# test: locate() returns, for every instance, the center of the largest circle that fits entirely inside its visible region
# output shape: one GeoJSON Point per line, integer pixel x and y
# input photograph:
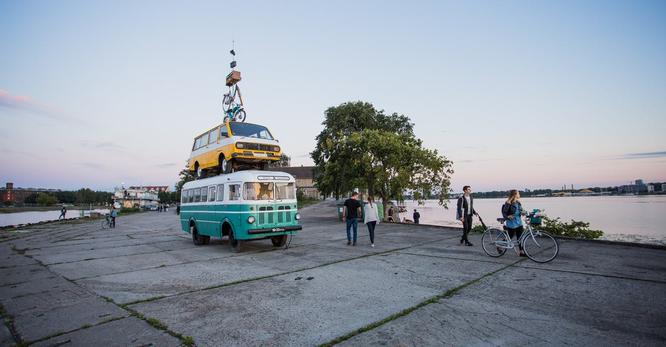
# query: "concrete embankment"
{"type": "Point", "coordinates": [418, 286]}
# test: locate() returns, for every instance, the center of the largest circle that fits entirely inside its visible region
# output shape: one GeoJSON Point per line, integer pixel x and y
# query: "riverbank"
{"type": "Point", "coordinates": [18, 209]}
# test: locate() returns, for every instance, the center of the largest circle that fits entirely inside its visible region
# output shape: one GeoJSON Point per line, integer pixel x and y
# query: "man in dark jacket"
{"type": "Point", "coordinates": [464, 212]}
{"type": "Point", "coordinates": [416, 216]}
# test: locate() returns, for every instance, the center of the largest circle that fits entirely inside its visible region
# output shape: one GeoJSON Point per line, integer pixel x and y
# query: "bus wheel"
{"type": "Point", "coordinates": [234, 243]}
{"type": "Point", "coordinates": [279, 241]}
{"type": "Point", "coordinates": [206, 239]}
{"type": "Point", "coordinates": [196, 239]}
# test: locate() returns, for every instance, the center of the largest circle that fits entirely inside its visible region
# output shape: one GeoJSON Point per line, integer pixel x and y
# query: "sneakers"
{"type": "Point", "coordinates": [354, 244]}
{"type": "Point", "coordinates": [348, 243]}
{"type": "Point", "coordinates": [372, 245]}
{"type": "Point", "coordinates": [468, 244]}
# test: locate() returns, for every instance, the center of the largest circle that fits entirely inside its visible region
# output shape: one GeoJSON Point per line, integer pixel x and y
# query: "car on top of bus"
{"type": "Point", "coordinates": [233, 146]}
{"type": "Point", "coordinates": [244, 205]}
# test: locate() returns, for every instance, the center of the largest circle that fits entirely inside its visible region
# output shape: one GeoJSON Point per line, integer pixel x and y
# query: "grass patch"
{"type": "Point", "coordinates": [157, 324]}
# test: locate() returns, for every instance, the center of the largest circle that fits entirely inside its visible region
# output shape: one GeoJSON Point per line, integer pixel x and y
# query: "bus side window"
{"type": "Point", "coordinates": [234, 192]}
{"type": "Point", "coordinates": [223, 131]}
{"type": "Point", "coordinates": [220, 192]}
{"type": "Point", "coordinates": [183, 196]}
{"type": "Point", "coordinates": [204, 194]}
{"type": "Point", "coordinates": [190, 195]}
{"type": "Point", "coordinates": [211, 193]}
{"type": "Point", "coordinates": [197, 195]}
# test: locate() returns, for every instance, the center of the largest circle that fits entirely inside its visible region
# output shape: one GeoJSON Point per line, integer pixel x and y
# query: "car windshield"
{"type": "Point", "coordinates": [250, 130]}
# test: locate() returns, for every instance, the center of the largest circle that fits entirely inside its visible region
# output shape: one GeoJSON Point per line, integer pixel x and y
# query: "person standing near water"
{"type": "Point", "coordinates": [464, 212]}
{"type": "Point", "coordinates": [63, 212]}
{"type": "Point", "coordinates": [511, 211]}
{"type": "Point", "coordinates": [350, 215]}
{"type": "Point", "coordinates": [416, 216]}
{"type": "Point", "coordinates": [114, 214]}
{"type": "Point", "coordinates": [371, 218]}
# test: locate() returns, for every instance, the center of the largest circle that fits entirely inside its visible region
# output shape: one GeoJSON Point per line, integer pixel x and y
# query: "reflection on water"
{"type": "Point", "coordinates": [630, 218]}
{"type": "Point", "coordinates": [41, 216]}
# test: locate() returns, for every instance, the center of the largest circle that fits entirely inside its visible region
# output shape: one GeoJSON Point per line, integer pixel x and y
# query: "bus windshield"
{"type": "Point", "coordinates": [258, 191]}
{"type": "Point", "coordinates": [250, 130]}
{"type": "Point", "coordinates": [285, 191]}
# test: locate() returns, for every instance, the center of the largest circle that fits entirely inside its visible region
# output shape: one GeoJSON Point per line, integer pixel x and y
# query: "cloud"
{"type": "Point", "coordinates": [644, 155]}
{"type": "Point", "coordinates": [108, 145]}
{"type": "Point", "coordinates": [24, 103]}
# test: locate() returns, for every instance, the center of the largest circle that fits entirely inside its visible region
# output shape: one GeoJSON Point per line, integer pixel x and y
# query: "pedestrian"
{"type": "Point", "coordinates": [114, 214]}
{"type": "Point", "coordinates": [511, 211]}
{"type": "Point", "coordinates": [464, 212]}
{"type": "Point", "coordinates": [350, 215]}
{"type": "Point", "coordinates": [63, 212]}
{"type": "Point", "coordinates": [416, 216]}
{"type": "Point", "coordinates": [178, 209]}
{"type": "Point", "coordinates": [371, 218]}
{"type": "Point", "coordinates": [390, 214]}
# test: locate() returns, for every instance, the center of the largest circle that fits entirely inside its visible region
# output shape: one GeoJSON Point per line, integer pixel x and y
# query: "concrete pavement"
{"type": "Point", "coordinates": [146, 283]}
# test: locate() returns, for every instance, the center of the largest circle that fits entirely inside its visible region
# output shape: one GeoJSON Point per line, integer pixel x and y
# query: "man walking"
{"type": "Point", "coordinates": [350, 214]}
{"type": "Point", "coordinates": [114, 214]}
{"type": "Point", "coordinates": [63, 212]}
{"type": "Point", "coordinates": [416, 216]}
{"type": "Point", "coordinates": [464, 212]}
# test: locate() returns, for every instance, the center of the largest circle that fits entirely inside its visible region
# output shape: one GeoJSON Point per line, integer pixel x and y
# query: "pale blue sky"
{"type": "Point", "coordinates": [518, 94]}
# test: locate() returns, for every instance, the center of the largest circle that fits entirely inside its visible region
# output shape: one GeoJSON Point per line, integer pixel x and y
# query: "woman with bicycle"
{"type": "Point", "coordinates": [511, 211]}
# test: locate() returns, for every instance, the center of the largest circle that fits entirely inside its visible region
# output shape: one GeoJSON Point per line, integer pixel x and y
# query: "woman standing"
{"type": "Point", "coordinates": [370, 218]}
{"type": "Point", "coordinates": [511, 211]}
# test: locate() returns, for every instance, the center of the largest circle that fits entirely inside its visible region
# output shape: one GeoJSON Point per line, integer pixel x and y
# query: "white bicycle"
{"type": "Point", "coordinates": [538, 245]}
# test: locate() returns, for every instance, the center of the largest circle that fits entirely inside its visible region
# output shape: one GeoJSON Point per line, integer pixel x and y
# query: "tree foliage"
{"type": "Point", "coordinates": [184, 176]}
{"type": "Point", "coordinates": [285, 161]}
{"type": "Point", "coordinates": [577, 229]}
{"type": "Point", "coordinates": [361, 147]}
{"type": "Point", "coordinates": [46, 199]}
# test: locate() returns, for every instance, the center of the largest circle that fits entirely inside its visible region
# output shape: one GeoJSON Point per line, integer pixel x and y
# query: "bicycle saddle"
{"type": "Point", "coordinates": [501, 220]}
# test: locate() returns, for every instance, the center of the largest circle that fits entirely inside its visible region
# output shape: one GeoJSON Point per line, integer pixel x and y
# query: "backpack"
{"type": "Point", "coordinates": [506, 210]}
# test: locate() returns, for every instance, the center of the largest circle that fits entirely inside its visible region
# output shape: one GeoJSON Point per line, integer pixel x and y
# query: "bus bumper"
{"type": "Point", "coordinates": [274, 230]}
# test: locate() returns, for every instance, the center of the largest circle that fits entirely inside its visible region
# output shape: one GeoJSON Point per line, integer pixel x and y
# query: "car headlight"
{"type": "Point", "coordinates": [250, 219]}
{"type": "Point", "coordinates": [240, 145]}
{"type": "Point", "coordinates": [276, 148]}
{"type": "Point", "coordinates": [298, 216]}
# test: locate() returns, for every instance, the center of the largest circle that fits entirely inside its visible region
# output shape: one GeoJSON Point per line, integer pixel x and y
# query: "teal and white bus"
{"type": "Point", "coordinates": [244, 205]}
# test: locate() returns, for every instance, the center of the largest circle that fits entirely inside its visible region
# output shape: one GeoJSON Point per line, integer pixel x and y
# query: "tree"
{"type": "Point", "coordinates": [46, 199]}
{"type": "Point", "coordinates": [364, 148]}
{"type": "Point", "coordinates": [31, 199]}
{"type": "Point", "coordinates": [185, 176]}
{"type": "Point", "coordinates": [285, 161]}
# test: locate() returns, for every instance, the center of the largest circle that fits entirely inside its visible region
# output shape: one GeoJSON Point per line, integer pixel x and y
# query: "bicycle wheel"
{"type": "Point", "coordinates": [540, 246]}
{"type": "Point", "coordinates": [104, 224]}
{"type": "Point", "coordinates": [240, 115]}
{"type": "Point", "coordinates": [494, 242]}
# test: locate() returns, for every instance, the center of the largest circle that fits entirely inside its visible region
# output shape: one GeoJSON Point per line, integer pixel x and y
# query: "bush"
{"type": "Point", "coordinates": [575, 229]}
{"type": "Point", "coordinates": [7, 203]}
{"type": "Point", "coordinates": [130, 210]}
{"type": "Point", "coordinates": [478, 229]}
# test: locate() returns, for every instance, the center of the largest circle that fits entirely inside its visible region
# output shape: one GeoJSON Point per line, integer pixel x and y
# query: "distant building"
{"type": "Point", "coordinates": [639, 182]}
{"type": "Point", "coordinates": [135, 197]}
{"type": "Point", "coordinates": [11, 195]}
{"type": "Point", "coordinates": [650, 188]}
{"type": "Point", "coordinates": [304, 176]}
{"type": "Point", "coordinates": [151, 188]}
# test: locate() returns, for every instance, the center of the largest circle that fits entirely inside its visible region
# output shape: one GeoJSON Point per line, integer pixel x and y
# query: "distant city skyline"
{"type": "Point", "coordinates": [517, 94]}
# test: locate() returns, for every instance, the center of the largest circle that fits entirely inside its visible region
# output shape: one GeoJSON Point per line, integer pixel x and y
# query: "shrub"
{"type": "Point", "coordinates": [575, 229]}
{"type": "Point", "coordinates": [130, 210]}
{"type": "Point", "coordinates": [46, 199]}
{"type": "Point", "coordinates": [478, 229]}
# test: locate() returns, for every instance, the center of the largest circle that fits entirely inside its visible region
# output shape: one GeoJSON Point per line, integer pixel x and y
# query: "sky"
{"type": "Point", "coordinates": [518, 94]}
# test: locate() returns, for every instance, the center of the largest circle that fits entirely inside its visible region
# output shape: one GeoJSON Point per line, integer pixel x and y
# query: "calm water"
{"type": "Point", "coordinates": [628, 218]}
{"type": "Point", "coordinates": [41, 216]}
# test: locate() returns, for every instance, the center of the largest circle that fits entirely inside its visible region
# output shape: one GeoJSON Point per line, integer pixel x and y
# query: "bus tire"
{"type": "Point", "coordinates": [206, 239]}
{"type": "Point", "coordinates": [234, 243]}
{"type": "Point", "coordinates": [279, 241]}
{"type": "Point", "coordinates": [196, 239]}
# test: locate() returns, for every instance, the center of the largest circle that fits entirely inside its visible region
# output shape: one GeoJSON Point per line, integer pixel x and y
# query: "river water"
{"type": "Point", "coordinates": [41, 216]}
{"type": "Point", "coordinates": [621, 218]}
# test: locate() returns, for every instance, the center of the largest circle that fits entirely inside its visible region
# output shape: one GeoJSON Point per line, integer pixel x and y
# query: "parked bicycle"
{"type": "Point", "coordinates": [538, 245]}
{"type": "Point", "coordinates": [106, 223]}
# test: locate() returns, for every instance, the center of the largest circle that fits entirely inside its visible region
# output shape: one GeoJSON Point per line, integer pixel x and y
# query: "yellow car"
{"type": "Point", "coordinates": [233, 146]}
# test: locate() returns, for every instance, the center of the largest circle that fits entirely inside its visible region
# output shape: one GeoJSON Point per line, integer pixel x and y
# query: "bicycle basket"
{"type": "Point", "coordinates": [536, 220]}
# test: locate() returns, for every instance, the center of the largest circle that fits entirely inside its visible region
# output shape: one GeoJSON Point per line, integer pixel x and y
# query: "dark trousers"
{"type": "Point", "coordinates": [113, 222]}
{"type": "Point", "coordinates": [467, 226]}
{"type": "Point", "coordinates": [62, 215]}
{"type": "Point", "coordinates": [518, 231]}
{"type": "Point", "coordinates": [371, 230]}
{"type": "Point", "coordinates": [352, 223]}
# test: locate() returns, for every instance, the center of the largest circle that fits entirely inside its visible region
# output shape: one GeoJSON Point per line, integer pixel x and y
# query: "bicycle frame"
{"type": "Point", "coordinates": [510, 244]}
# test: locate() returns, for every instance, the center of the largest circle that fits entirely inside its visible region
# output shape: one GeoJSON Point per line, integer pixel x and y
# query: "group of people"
{"type": "Point", "coordinates": [162, 208]}
{"type": "Point", "coordinates": [511, 212]}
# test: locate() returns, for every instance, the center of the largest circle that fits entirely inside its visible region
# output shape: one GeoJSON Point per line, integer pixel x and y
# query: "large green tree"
{"type": "Point", "coordinates": [361, 147]}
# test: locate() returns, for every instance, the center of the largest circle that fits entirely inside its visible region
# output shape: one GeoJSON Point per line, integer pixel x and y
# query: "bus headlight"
{"type": "Point", "coordinates": [298, 216]}
{"type": "Point", "coordinates": [250, 219]}
{"type": "Point", "coordinates": [276, 148]}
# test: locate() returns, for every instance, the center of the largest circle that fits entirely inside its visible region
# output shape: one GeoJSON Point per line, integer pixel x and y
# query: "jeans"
{"type": "Point", "coordinates": [352, 222]}
{"type": "Point", "coordinates": [371, 230]}
{"type": "Point", "coordinates": [467, 227]}
{"type": "Point", "coordinates": [113, 222]}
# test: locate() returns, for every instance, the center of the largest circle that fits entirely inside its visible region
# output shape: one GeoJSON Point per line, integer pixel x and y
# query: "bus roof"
{"type": "Point", "coordinates": [242, 176]}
